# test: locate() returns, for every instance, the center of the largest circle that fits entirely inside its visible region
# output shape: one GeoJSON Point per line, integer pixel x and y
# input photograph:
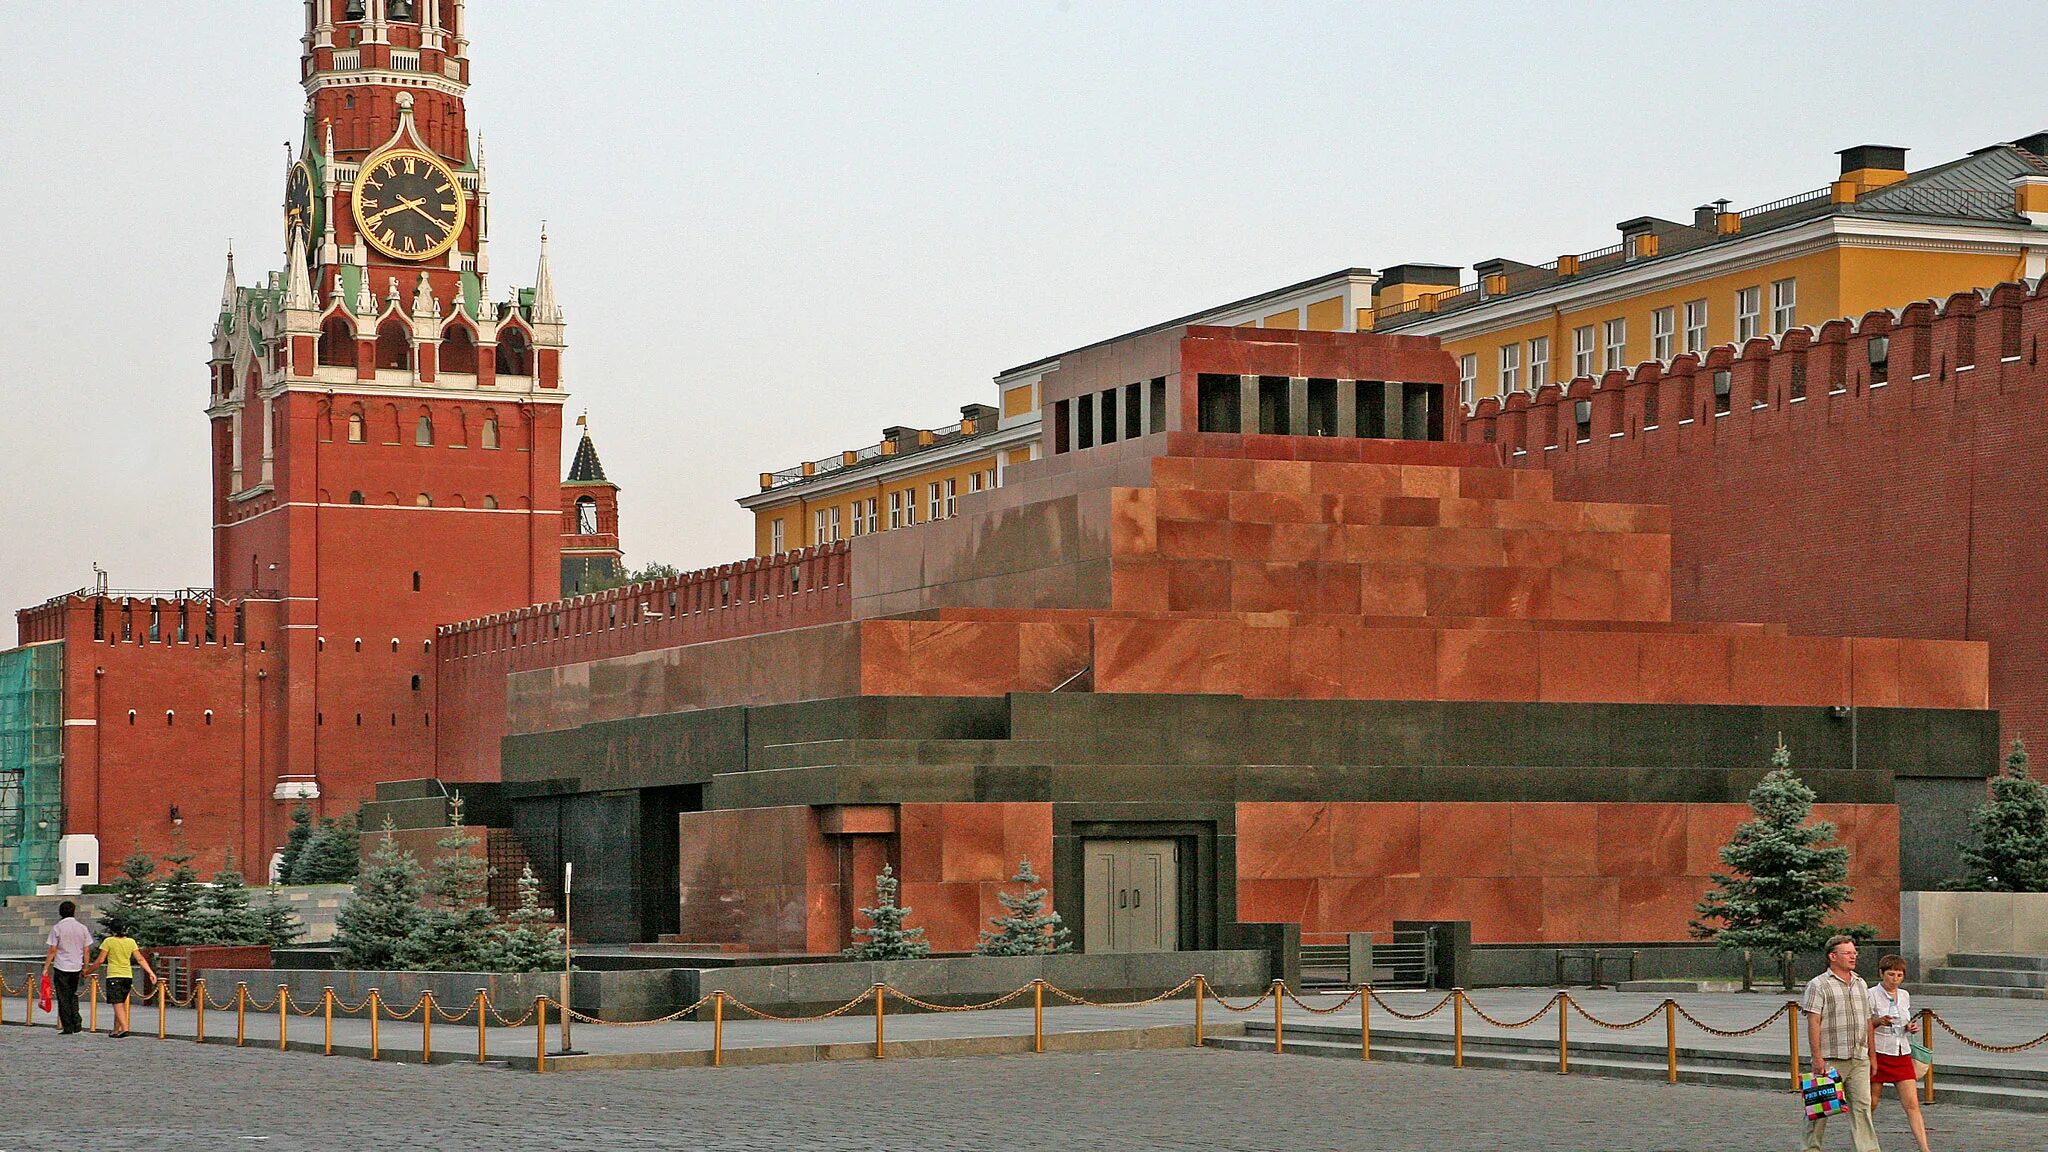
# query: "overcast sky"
{"type": "Point", "coordinates": [779, 227]}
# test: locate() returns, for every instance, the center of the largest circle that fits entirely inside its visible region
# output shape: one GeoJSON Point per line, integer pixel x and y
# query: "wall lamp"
{"type": "Point", "coordinates": [177, 821]}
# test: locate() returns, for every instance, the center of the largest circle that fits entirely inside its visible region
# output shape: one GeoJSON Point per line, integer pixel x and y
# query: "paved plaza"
{"type": "Point", "coordinates": [142, 1096]}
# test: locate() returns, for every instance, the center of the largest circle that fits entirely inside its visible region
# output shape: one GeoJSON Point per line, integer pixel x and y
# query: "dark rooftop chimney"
{"type": "Point", "coordinates": [1877, 157]}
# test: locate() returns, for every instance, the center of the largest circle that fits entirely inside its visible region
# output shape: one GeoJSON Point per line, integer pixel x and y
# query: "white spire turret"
{"type": "Point", "coordinates": [330, 252]}
{"type": "Point", "coordinates": [227, 291]}
{"type": "Point", "coordinates": [545, 309]}
{"type": "Point", "coordinates": [298, 289]}
{"type": "Point", "coordinates": [366, 300]}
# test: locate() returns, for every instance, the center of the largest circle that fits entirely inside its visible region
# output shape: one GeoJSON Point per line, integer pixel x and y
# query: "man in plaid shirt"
{"type": "Point", "coordinates": [1837, 1007]}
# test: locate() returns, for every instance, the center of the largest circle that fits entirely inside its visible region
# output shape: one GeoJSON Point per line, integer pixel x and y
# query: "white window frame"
{"type": "Point", "coordinates": [1582, 351]}
{"type": "Point", "coordinates": [931, 492]}
{"type": "Point", "coordinates": [837, 534]}
{"type": "Point", "coordinates": [777, 537]}
{"type": "Point", "coordinates": [1695, 325]}
{"type": "Point", "coordinates": [952, 497]}
{"type": "Point", "coordinates": [857, 527]}
{"type": "Point", "coordinates": [895, 510]}
{"type": "Point", "coordinates": [1468, 378]}
{"type": "Point", "coordinates": [818, 528]}
{"type": "Point", "coordinates": [1784, 305]}
{"type": "Point", "coordinates": [910, 507]}
{"type": "Point", "coordinates": [1749, 306]}
{"type": "Point", "coordinates": [1539, 362]}
{"type": "Point", "coordinates": [1510, 368]}
{"type": "Point", "coordinates": [974, 481]}
{"type": "Point", "coordinates": [874, 517]}
{"type": "Point", "coordinates": [1614, 352]}
{"type": "Point", "coordinates": [1663, 323]}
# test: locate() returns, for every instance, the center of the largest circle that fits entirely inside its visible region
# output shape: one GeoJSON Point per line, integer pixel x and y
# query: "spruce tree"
{"type": "Point", "coordinates": [528, 940]}
{"type": "Point", "coordinates": [887, 938]}
{"type": "Point", "coordinates": [225, 915]}
{"type": "Point", "coordinates": [1027, 929]}
{"type": "Point", "coordinates": [333, 854]}
{"type": "Point", "coordinates": [295, 841]}
{"type": "Point", "coordinates": [1786, 880]}
{"type": "Point", "coordinates": [381, 926]}
{"type": "Point", "coordinates": [135, 901]}
{"type": "Point", "coordinates": [179, 901]}
{"type": "Point", "coordinates": [457, 935]}
{"type": "Point", "coordinates": [281, 925]}
{"type": "Point", "coordinates": [2008, 849]}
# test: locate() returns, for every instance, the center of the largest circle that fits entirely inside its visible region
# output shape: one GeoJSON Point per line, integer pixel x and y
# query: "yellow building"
{"type": "Point", "coordinates": [914, 475]}
{"type": "Point", "coordinates": [1877, 237]}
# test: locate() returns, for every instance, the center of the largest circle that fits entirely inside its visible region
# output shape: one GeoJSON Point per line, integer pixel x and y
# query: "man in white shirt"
{"type": "Point", "coordinates": [70, 940]}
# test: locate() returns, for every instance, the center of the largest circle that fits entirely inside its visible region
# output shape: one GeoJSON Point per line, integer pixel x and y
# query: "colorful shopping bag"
{"type": "Point", "coordinates": [49, 995]}
{"type": "Point", "coordinates": [1923, 1060]}
{"type": "Point", "coordinates": [1823, 1094]}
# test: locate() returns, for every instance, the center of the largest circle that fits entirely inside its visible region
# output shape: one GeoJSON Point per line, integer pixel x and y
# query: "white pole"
{"type": "Point", "coordinates": [568, 873]}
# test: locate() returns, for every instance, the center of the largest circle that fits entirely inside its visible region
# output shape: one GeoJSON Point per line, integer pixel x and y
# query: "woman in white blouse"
{"type": "Point", "coordinates": [1891, 1028]}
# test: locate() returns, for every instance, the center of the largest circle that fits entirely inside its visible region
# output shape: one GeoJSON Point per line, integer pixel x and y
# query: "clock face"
{"type": "Point", "coordinates": [298, 200]}
{"type": "Point", "coordinates": [409, 205]}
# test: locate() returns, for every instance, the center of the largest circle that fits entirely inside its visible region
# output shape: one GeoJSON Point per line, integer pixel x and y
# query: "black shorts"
{"type": "Point", "coordinates": [118, 988]}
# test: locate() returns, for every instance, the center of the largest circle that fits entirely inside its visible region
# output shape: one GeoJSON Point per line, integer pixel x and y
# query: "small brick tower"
{"type": "Point", "coordinates": [591, 558]}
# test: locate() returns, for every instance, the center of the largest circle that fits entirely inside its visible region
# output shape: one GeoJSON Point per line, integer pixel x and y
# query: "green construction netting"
{"type": "Point", "coordinates": [31, 766]}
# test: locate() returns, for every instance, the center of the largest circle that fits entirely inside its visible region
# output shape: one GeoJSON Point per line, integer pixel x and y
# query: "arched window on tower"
{"type": "Point", "coordinates": [515, 352]}
{"type": "Point", "coordinates": [586, 516]}
{"type": "Point", "coordinates": [355, 497]}
{"type": "Point", "coordinates": [458, 349]}
{"type": "Point", "coordinates": [488, 437]}
{"type": "Point", "coordinates": [423, 431]}
{"type": "Point", "coordinates": [356, 431]}
{"type": "Point", "coordinates": [337, 343]}
{"type": "Point", "coordinates": [394, 344]}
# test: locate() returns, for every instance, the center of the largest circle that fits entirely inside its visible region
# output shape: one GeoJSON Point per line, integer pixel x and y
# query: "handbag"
{"type": "Point", "coordinates": [49, 994]}
{"type": "Point", "coordinates": [1823, 1095]}
{"type": "Point", "coordinates": [1923, 1060]}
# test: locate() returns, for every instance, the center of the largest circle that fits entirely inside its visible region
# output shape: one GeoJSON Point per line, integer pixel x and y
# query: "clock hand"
{"type": "Point", "coordinates": [402, 204]}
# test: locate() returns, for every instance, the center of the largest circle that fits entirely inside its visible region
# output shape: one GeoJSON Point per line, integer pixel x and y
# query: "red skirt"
{"type": "Point", "coordinates": [1886, 1069]}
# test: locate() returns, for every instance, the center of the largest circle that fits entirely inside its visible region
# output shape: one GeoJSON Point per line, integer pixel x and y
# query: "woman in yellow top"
{"type": "Point", "coordinates": [120, 954]}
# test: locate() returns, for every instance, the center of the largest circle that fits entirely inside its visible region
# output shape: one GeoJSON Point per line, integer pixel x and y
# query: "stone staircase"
{"type": "Point", "coordinates": [25, 921]}
{"type": "Point", "coordinates": [2019, 1089]}
{"type": "Point", "coordinates": [1988, 974]}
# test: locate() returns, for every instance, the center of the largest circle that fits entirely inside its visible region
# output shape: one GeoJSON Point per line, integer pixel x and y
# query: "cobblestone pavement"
{"type": "Point", "coordinates": [142, 1096]}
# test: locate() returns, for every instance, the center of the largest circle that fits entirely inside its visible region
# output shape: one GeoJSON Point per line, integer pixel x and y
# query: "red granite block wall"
{"type": "Point", "coordinates": [1522, 873]}
{"type": "Point", "coordinates": [958, 857]}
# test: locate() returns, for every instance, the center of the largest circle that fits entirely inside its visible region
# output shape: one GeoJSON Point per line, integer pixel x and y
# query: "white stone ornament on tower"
{"type": "Point", "coordinates": [423, 303]}
{"type": "Point", "coordinates": [545, 309]}
{"type": "Point", "coordinates": [298, 288]}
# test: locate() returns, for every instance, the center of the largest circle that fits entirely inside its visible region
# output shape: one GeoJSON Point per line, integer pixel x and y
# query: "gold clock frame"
{"type": "Point", "coordinates": [369, 235]}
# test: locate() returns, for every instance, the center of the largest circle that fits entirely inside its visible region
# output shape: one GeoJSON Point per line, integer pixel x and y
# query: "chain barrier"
{"type": "Point", "coordinates": [735, 1002]}
{"type": "Point", "coordinates": [500, 1017]}
{"type": "Point", "coordinates": [671, 1018]}
{"type": "Point", "coordinates": [1710, 1030]}
{"type": "Point", "coordinates": [1227, 1006]}
{"type": "Point", "coordinates": [1070, 998]}
{"type": "Point", "coordinates": [2006, 1049]}
{"type": "Point", "coordinates": [1339, 1006]}
{"type": "Point", "coordinates": [1540, 1013]}
{"type": "Point", "coordinates": [998, 1002]}
{"type": "Point", "coordinates": [395, 1015]}
{"type": "Point", "coordinates": [347, 1008]}
{"type": "Point", "coordinates": [1638, 1022]}
{"type": "Point", "coordinates": [269, 1005]}
{"type": "Point", "coordinates": [1400, 1015]}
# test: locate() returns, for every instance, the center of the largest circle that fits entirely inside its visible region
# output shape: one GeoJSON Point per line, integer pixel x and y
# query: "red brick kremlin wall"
{"type": "Point", "coordinates": [1899, 495]}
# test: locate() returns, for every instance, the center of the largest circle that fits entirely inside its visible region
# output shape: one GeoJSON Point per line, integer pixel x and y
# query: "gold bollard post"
{"type": "Point", "coordinates": [92, 999]}
{"type": "Point", "coordinates": [1278, 1028]}
{"type": "Point", "coordinates": [327, 1020]}
{"type": "Point", "coordinates": [1201, 994]}
{"type": "Point", "coordinates": [1038, 1014]}
{"type": "Point", "coordinates": [540, 1034]}
{"type": "Point", "coordinates": [1365, 1023]}
{"type": "Point", "coordinates": [878, 1021]}
{"type": "Point", "coordinates": [162, 993]}
{"type": "Point", "coordinates": [1792, 1018]}
{"type": "Point", "coordinates": [284, 1015]}
{"type": "Point", "coordinates": [718, 1029]}
{"type": "Point", "coordinates": [426, 1007]}
{"type": "Point", "coordinates": [1671, 1040]}
{"type": "Point", "coordinates": [241, 1012]}
{"type": "Point", "coordinates": [482, 1039]}
{"type": "Point", "coordinates": [199, 1002]}
{"type": "Point", "coordinates": [1564, 1029]}
{"type": "Point", "coordinates": [1927, 1038]}
{"type": "Point", "coordinates": [1457, 1027]}
{"type": "Point", "coordinates": [376, 1010]}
